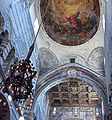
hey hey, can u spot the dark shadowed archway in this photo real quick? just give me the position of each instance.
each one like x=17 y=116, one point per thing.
x=4 y=108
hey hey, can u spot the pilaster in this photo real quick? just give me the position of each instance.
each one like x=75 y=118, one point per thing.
x=108 y=55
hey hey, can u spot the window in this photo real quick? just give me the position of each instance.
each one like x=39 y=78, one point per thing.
x=36 y=26
x=72 y=60
x=54 y=111
x=75 y=111
x=97 y=112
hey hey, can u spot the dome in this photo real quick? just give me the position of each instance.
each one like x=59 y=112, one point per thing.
x=70 y=22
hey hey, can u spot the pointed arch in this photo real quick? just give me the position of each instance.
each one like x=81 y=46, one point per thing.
x=71 y=70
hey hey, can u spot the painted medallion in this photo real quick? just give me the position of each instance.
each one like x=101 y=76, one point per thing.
x=70 y=22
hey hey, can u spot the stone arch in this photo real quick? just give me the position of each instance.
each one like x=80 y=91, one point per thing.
x=71 y=70
x=96 y=58
x=47 y=58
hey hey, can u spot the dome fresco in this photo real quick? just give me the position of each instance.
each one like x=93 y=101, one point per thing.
x=70 y=22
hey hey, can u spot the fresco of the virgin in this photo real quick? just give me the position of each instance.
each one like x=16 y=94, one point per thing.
x=70 y=22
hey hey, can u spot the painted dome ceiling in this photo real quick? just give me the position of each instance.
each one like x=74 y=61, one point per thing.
x=70 y=22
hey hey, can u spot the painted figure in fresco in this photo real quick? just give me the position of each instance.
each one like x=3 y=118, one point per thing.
x=82 y=23
x=73 y=20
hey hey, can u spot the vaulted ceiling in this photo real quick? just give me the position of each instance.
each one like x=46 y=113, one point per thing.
x=70 y=28
x=70 y=22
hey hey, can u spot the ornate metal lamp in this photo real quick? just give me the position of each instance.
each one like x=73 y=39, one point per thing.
x=19 y=83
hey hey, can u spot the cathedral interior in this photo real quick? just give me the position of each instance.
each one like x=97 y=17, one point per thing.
x=55 y=60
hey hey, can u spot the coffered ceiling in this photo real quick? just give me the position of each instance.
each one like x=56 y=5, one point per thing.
x=73 y=93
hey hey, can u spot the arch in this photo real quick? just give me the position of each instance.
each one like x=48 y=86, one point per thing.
x=71 y=70
x=47 y=58
x=96 y=58
x=4 y=108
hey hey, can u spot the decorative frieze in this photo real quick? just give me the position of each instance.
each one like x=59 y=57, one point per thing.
x=74 y=73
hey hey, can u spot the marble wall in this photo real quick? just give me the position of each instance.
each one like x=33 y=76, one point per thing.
x=21 y=29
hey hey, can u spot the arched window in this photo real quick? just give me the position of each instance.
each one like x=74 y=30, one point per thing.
x=76 y=111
